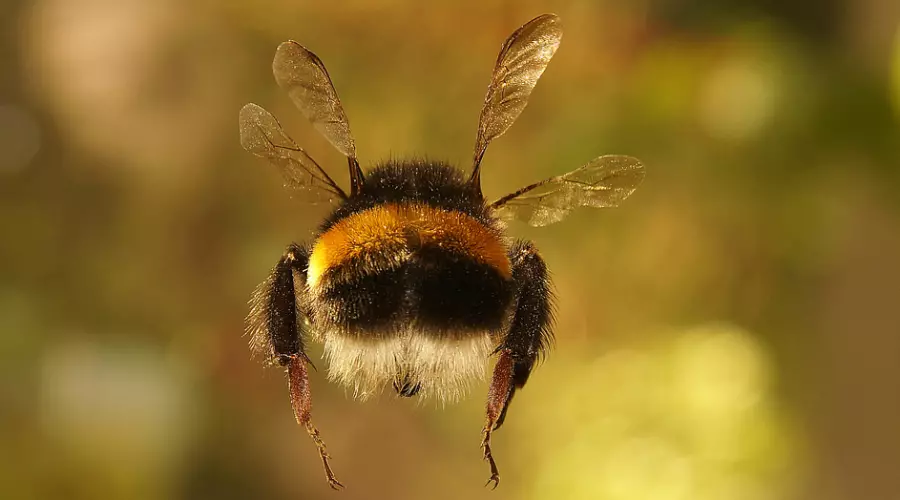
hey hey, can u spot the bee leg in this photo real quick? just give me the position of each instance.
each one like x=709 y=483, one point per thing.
x=301 y=401
x=283 y=317
x=528 y=337
x=499 y=393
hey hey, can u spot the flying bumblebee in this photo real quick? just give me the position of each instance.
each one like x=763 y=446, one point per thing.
x=411 y=281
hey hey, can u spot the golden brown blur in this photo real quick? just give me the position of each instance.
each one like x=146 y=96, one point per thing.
x=731 y=332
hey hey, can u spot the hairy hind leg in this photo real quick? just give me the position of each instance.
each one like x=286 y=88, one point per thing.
x=528 y=337
x=275 y=327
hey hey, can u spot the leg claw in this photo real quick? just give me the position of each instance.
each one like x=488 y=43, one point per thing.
x=489 y=458
x=335 y=484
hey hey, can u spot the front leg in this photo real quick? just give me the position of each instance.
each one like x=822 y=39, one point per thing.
x=275 y=323
x=528 y=338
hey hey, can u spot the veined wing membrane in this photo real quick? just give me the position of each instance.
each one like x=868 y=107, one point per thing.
x=263 y=136
x=304 y=77
x=522 y=60
x=604 y=182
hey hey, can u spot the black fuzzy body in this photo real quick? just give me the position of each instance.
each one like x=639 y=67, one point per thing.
x=434 y=183
x=415 y=306
x=435 y=292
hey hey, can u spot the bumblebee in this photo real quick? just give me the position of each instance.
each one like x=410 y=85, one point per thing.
x=411 y=282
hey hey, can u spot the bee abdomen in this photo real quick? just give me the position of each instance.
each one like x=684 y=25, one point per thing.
x=439 y=291
x=395 y=265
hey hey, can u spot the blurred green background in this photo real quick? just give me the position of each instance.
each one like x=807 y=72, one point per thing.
x=731 y=332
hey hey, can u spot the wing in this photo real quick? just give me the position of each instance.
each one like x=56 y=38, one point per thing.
x=604 y=182
x=522 y=60
x=304 y=77
x=262 y=135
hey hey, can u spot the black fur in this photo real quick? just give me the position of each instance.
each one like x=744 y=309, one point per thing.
x=275 y=322
x=460 y=293
x=433 y=183
x=365 y=304
x=438 y=291
x=283 y=318
x=530 y=334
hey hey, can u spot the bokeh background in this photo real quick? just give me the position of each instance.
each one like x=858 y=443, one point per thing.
x=731 y=332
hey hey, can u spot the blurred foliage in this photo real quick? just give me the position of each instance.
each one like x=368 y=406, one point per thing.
x=730 y=332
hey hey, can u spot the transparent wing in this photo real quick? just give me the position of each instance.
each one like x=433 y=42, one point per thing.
x=262 y=135
x=304 y=77
x=604 y=182
x=522 y=60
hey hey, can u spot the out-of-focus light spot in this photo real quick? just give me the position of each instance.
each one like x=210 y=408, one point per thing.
x=739 y=99
x=120 y=412
x=720 y=371
x=20 y=138
x=688 y=417
x=132 y=82
x=617 y=470
x=626 y=370
x=97 y=51
x=634 y=460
